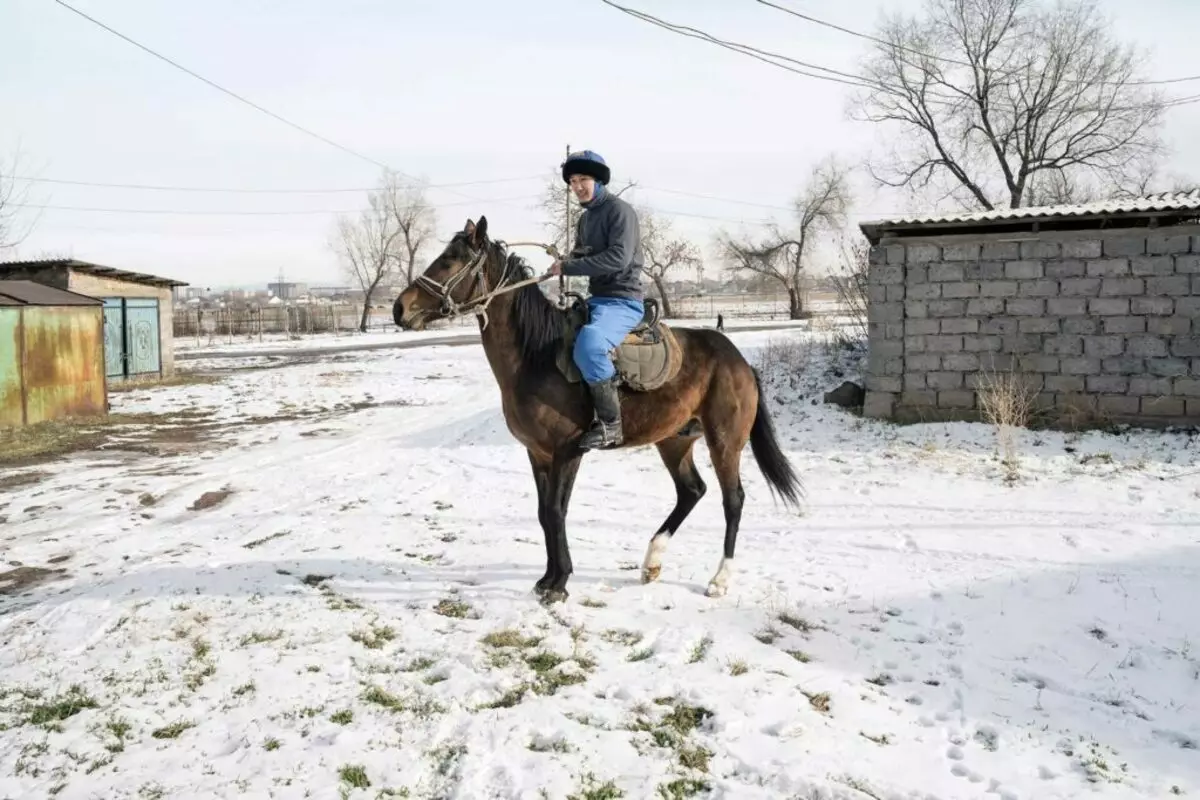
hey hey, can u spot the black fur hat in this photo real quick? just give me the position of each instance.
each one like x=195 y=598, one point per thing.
x=586 y=162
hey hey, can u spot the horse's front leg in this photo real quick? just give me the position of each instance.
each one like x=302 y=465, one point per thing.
x=555 y=478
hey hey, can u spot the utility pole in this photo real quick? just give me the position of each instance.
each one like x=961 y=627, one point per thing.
x=565 y=284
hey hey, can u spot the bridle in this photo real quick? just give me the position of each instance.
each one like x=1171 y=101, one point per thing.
x=476 y=270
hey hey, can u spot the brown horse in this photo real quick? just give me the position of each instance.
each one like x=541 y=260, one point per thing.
x=715 y=392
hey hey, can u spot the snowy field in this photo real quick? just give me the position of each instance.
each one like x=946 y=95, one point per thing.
x=315 y=581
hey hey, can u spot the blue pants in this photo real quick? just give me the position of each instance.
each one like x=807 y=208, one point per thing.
x=612 y=318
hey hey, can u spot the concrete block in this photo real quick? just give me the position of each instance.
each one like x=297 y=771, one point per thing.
x=1079 y=287
x=916 y=273
x=1025 y=306
x=1023 y=270
x=1124 y=324
x=998 y=289
x=1103 y=346
x=1038 y=363
x=947 y=308
x=942 y=272
x=1189 y=265
x=1119 y=404
x=1132 y=245
x=1169 y=326
x=1065 y=269
x=1149 y=347
x=982 y=344
x=919 y=398
x=924 y=291
x=998 y=326
x=1075 y=403
x=1163 y=406
x=944 y=380
x=923 y=253
x=1170 y=286
x=1188 y=306
x=1152 y=305
x=1038 y=325
x=960 y=325
x=1082 y=248
x=921 y=327
x=1193 y=407
x=960 y=252
x=960 y=362
x=1167 y=367
x=895 y=254
x=876 y=255
x=914 y=382
x=1167 y=243
x=885 y=275
x=1188 y=387
x=895 y=292
x=955 y=291
x=944 y=344
x=1002 y=251
x=915 y=344
x=1124 y=365
x=956 y=398
x=876 y=293
x=923 y=362
x=1042 y=288
x=996 y=362
x=916 y=309
x=889 y=348
x=1066 y=306
x=983 y=271
x=1149 y=266
x=1184 y=346
x=1107 y=384
x=885 y=312
x=1140 y=385
x=1063 y=345
x=1108 y=268
x=883 y=383
x=1065 y=383
x=878 y=405
x=985 y=306
x=1081 y=326
x=1040 y=249
x=1106 y=306
x=1121 y=287
x=1023 y=343
x=1080 y=366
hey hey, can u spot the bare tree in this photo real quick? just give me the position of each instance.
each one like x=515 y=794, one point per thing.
x=997 y=103
x=417 y=221
x=662 y=252
x=373 y=246
x=13 y=196
x=850 y=282
x=781 y=254
x=562 y=212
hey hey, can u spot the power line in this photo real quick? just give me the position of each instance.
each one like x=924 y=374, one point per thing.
x=242 y=99
x=161 y=188
x=187 y=212
x=945 y=59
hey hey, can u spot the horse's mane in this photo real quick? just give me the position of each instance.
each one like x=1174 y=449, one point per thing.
x=539 y=324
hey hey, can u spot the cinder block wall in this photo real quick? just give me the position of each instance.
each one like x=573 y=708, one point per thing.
x=1102 y=324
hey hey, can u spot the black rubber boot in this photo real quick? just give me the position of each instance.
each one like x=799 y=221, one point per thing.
x=606 y=430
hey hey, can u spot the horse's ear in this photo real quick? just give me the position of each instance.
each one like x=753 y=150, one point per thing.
x=481 y=231
x=469 y=228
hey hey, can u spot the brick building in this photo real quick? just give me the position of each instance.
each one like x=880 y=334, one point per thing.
x=1096 y=307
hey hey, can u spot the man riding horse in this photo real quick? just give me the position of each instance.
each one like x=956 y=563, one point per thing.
x=608 y=251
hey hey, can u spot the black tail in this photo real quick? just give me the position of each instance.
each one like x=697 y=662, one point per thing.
x=771 y=460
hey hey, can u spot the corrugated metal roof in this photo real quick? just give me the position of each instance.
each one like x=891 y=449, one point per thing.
x=92 y=269
x=28 y=293
x=1155 y=204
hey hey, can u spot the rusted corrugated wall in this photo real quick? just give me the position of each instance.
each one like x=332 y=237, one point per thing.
x=51 y=363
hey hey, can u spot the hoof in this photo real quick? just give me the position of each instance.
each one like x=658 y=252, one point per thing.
x=650 y=574
x=551 y=596
x=716 y=590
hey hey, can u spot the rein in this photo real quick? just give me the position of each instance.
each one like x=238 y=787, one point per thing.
x=477 y=270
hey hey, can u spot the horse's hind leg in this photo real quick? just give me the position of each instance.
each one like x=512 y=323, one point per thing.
x=726 y=434
x=676 y=454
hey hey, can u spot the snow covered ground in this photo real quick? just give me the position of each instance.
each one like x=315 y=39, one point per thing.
x=315 y=581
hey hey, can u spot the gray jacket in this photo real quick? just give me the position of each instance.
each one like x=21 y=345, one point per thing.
x=608 y=249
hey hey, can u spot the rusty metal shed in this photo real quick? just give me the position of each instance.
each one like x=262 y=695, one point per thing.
x=51 y=354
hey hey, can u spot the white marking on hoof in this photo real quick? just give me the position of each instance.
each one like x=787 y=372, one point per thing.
x=719 y=585
x=652 y=565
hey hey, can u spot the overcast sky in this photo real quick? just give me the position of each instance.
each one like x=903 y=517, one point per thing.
x=449 y=90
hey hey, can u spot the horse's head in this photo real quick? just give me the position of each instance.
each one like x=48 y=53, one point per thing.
x=453 y=283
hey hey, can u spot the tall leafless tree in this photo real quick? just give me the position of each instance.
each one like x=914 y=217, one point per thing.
x=663 y=252
x=782 y=254
x=386 y=237
x=13 y=196
x=1007 y=103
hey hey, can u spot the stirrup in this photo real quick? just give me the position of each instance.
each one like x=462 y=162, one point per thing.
x=602 y=436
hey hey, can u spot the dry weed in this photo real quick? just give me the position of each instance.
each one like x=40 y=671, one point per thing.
x=1007 y=401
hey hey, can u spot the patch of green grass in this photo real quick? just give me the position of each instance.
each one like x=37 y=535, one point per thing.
x=590 y=788
x=640 y=655
x=700 y=651
x=695 y=758
x=510 y=637
x=882 y=740
x=882 y=679
x=820 y=701
x=375 y=637
x=768 y=635
x=551 y=746
x=510 y=698
x=682 y=788
x=419 y=664
x=245 y=688
x=419 y=706
x=172 y=731
x=454 y=608
x=271 y=744
x=798 y=622
x=447 y=757
x=261 y=637
x=799 y=655
x=61 y=707
x=588 y=602
x=343 y=717
x=622 y=637
x=737 y=668
x=354 y=776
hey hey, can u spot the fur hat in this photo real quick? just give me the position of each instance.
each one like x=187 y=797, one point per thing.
x=585 y=162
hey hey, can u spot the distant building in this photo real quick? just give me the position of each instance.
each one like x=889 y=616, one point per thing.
x=287 y=291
